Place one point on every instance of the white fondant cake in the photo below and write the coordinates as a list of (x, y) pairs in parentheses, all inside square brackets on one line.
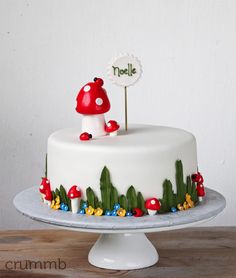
[(144, 157)]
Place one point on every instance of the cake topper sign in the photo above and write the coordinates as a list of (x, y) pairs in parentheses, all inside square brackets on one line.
[(124, 71)]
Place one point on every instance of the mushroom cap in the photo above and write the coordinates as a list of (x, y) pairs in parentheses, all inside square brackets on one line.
[(197, 178), (48, 195), (92, 99), (74, 192), (153, 204), (111, 126), (45, 185)]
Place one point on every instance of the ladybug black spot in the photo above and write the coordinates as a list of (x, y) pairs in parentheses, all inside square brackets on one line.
[(95, 79)]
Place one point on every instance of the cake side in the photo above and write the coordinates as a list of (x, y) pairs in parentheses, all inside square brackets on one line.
[(143, 157)]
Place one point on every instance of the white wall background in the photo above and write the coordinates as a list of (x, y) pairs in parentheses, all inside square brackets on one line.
[(49, 49)]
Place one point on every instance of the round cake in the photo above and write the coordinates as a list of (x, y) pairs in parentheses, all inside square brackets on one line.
[(102, 169), (144, 156)]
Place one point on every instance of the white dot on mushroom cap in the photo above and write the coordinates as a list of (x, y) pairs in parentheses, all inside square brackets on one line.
[(72, 195), (77, 188), (109, 124), (153, 202), (41, 186), (99, 101), (86, 88)]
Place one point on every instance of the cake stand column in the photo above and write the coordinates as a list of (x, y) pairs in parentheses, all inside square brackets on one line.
[(123, 251)]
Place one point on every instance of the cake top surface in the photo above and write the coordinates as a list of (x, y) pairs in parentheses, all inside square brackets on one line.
[(138, 136)]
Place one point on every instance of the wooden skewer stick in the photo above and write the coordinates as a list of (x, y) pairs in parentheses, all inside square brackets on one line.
[(126, 110)]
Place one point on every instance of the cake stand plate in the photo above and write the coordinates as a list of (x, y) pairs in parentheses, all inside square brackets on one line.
[(122, 244)]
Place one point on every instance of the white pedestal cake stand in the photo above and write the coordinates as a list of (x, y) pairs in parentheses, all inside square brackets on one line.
[(122, 244)]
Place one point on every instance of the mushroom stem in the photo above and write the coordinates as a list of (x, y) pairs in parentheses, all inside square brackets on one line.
[(152, 212), (200, 199), (114, 133), (94, 124), (75, 205)]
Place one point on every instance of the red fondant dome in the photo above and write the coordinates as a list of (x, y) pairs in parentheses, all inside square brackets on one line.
[(92, 98)]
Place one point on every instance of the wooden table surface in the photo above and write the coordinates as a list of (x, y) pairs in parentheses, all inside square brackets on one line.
[(195, 252)]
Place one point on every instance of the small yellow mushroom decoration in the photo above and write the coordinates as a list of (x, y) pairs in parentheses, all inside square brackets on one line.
[(98, 212), (89, 210), (121, 212)]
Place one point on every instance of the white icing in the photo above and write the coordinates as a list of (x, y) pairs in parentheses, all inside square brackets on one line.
[(87, 88), (153, 202), (143, 157)]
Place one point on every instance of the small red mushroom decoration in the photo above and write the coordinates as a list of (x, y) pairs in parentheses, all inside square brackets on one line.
[(112, 128), (152, 205), (48, 196), (74, 194), (198, 178), (45, 185)]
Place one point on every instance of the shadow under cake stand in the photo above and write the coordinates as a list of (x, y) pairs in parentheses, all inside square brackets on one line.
[(122, 244)]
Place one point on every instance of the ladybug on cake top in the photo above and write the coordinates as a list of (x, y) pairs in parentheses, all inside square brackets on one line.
[(93, 103)]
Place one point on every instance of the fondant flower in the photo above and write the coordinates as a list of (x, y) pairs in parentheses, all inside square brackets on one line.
[(114, 212), (52, 204), (82, 211), (121, 212), (173, 209), (117, 206), (108, 213), (180, 207), (89, 210), (98, 212), (57, 200)]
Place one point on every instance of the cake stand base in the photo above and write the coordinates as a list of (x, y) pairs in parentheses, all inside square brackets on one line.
[(123, 251), (122, 244)]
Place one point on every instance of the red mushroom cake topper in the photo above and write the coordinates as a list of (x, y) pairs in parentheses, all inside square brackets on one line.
[(198, 178), (92, 99), (93, 103)]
